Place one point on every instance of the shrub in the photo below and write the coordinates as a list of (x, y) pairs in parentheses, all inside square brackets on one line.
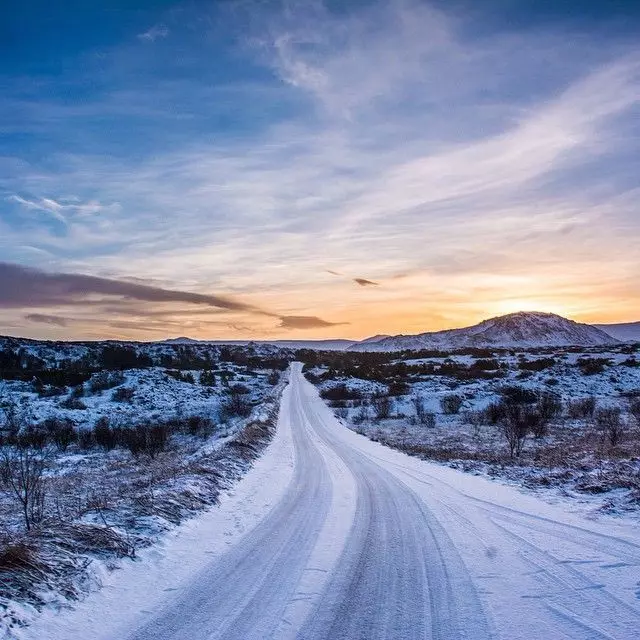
[(73, 402), (582, 408), (208, 379), (515, 423), (85, 439), (609, 421), (382, 406), (22, 476), (423, 417), (235, 405), (536, 365), (398, 388), (123, 394), (103, 435), (515, 394), (200, 426), (61, 431), (451, 403), (105, 380), (592, 366), (340, 392), (549, 405)]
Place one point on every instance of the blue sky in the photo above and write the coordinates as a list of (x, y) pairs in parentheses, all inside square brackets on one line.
[(338, 168)]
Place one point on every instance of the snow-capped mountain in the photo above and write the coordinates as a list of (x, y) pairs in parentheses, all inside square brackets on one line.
[(523, 329), (625, 331)]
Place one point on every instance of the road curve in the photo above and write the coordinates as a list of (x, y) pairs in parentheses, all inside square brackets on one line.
[(367, 544)]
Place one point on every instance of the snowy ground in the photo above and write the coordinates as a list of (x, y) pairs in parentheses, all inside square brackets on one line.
[(574, 456), (131, 467), (331, 535)]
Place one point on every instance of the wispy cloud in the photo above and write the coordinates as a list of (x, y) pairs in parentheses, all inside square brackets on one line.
[(157, 31), (306, 322), (58, 208), (42, 318)]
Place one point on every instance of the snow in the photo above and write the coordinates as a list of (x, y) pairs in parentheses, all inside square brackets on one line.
[(523, 329), (374, 544)]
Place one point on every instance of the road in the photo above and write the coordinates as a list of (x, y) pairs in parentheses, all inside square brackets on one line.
[(366, 543)]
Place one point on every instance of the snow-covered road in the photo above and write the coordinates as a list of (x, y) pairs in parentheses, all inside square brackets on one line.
[(364, 542)]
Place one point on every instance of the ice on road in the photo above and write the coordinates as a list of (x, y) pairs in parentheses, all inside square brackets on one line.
[(363, 542)]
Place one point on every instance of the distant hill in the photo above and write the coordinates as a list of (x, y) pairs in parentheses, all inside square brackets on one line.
[(338, 344), (526, 329), (625, 331)]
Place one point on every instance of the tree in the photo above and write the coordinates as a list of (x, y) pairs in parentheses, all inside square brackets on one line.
[(515, 422), (22, 472), (609, 422)]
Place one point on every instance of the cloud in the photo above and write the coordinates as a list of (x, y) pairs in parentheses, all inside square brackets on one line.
[(306, 322), (58, 208), (154, 33), (41, 318), (28, 287), (363, 282), (23, 287)]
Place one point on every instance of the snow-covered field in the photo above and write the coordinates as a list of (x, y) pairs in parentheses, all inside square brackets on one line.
[(331, 535), (99, 463), (447, 407)]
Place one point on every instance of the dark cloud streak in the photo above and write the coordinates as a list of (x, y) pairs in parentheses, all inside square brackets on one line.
[(363, 282), (43, 318), (27, 287)]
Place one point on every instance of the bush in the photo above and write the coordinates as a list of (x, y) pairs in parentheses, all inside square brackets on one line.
[(423, 417), (200, 426), (582, 408), (235, 405), (340, 392), (105, 380), (515, 394), (516, 422), (103, 435), (592, 366), (536, 365), (549, 406), (73, 402), (61, 431), (382, 406), (609, 421), (451, 403), (22, 477), (123, 394), (85, 439)]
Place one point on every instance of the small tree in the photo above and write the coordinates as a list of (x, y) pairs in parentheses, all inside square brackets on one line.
[(609, 421), (22, 471), (515, 423)]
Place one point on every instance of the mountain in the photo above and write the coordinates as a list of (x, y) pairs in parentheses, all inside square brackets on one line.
[(625, 331), (181, 340), (525, 329)]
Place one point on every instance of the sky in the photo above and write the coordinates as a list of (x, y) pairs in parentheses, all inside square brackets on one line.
[(308, 169)]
